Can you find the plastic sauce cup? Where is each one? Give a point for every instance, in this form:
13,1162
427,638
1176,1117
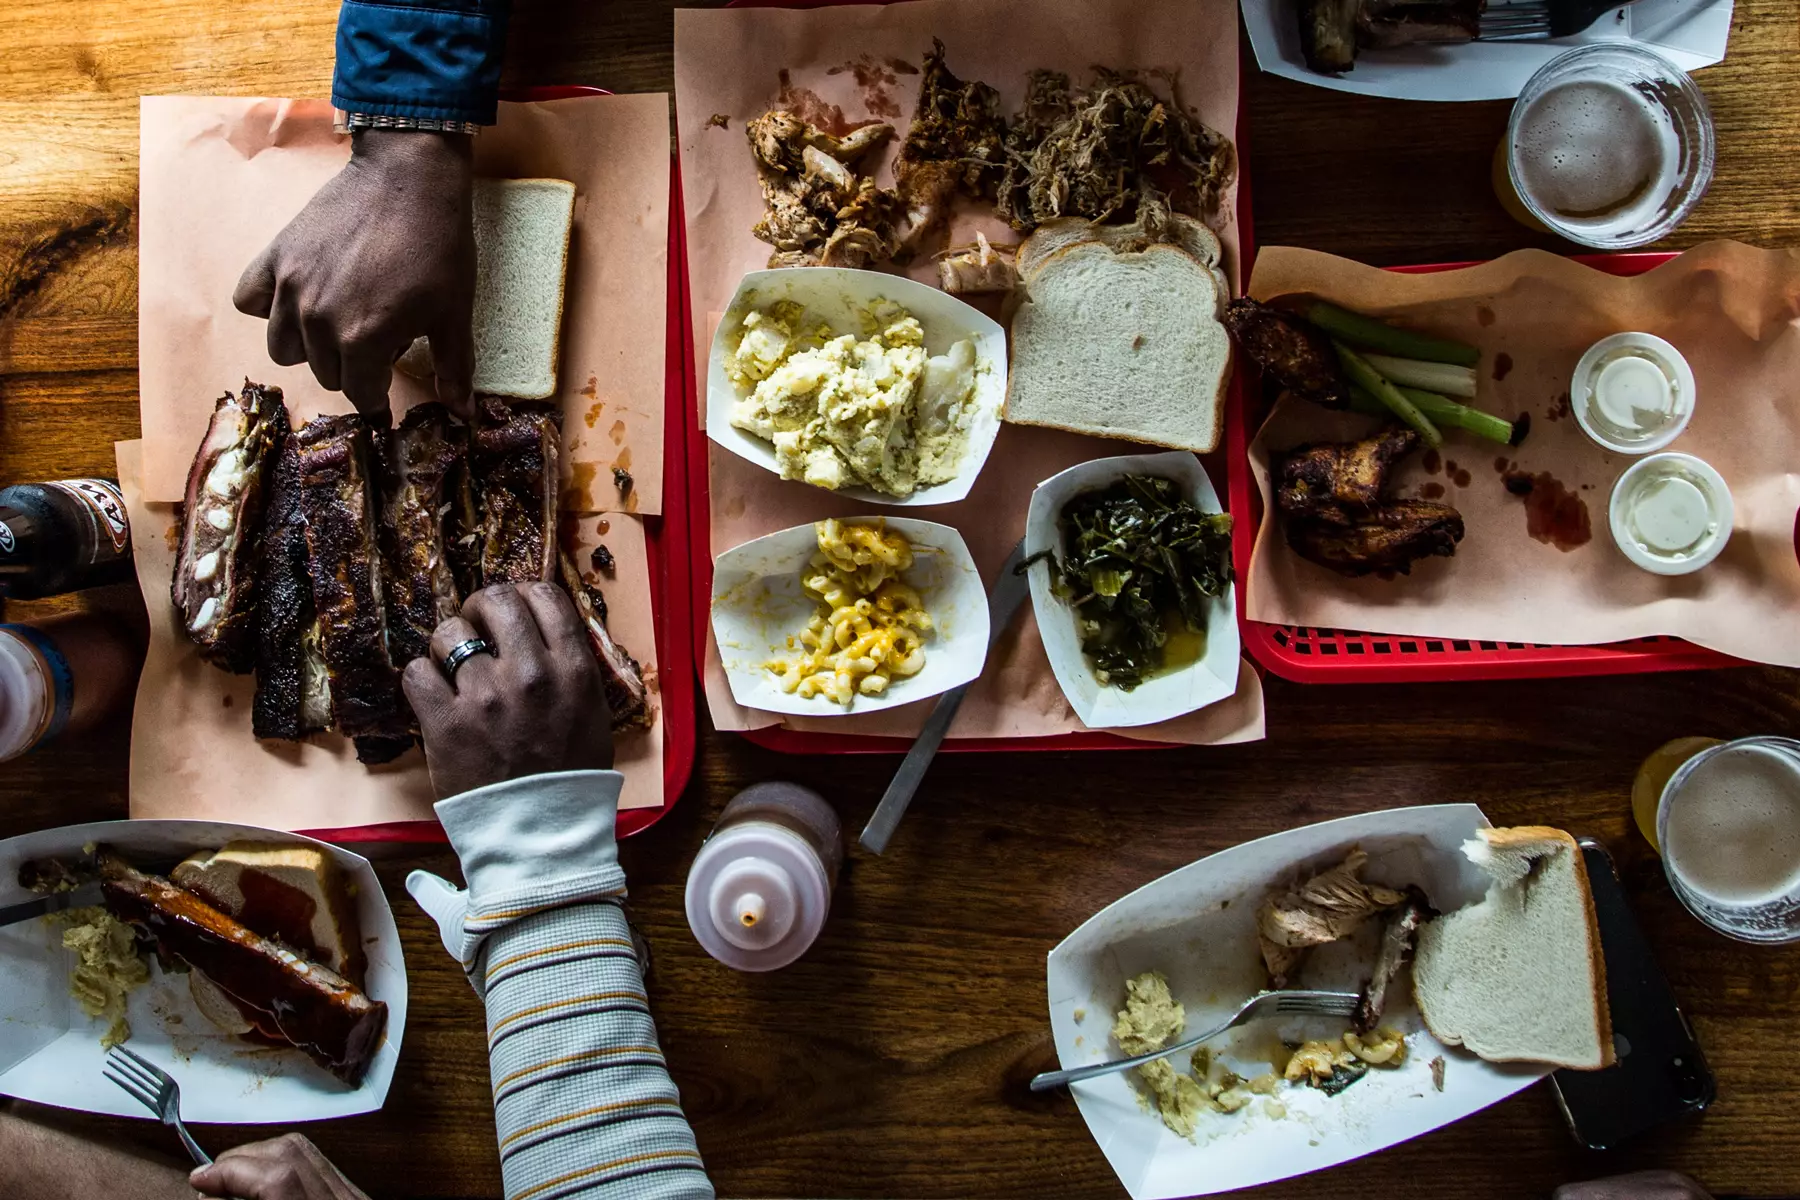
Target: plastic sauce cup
1633,393
1671,514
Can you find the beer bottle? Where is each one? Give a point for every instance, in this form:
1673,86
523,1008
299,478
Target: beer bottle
62,536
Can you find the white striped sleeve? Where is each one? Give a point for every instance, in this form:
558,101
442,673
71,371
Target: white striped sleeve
583,1103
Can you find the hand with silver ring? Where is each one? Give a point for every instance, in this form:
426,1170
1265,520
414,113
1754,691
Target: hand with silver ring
532,704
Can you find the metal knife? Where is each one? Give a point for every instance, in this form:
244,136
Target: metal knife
1009,591
81,897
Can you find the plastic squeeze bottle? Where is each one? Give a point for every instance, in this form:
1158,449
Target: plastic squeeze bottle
760,887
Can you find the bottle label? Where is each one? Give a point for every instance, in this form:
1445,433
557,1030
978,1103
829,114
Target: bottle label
7,543
105,506
62,681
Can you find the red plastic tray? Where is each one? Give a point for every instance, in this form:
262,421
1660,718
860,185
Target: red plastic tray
700,516
667,541
1308,655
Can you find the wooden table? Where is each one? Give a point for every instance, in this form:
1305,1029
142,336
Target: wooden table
893,1059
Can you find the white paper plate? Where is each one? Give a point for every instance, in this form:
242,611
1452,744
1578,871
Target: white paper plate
50,1050
1197,925
1689,33
757,604
839,296
1208,681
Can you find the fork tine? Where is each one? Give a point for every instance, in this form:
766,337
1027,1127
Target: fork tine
138,1074
131,1090
141,1061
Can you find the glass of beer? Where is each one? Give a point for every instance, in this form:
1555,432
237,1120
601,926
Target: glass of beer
1729,827
1609,145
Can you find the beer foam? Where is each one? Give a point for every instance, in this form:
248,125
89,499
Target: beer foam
1597,155
1733,831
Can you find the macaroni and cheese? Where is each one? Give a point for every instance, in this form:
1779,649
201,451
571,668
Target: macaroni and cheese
870,626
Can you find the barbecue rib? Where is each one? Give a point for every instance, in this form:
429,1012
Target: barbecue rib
1340,482
280,993
627,698
293,694
214,584
515,464
424,458
337,495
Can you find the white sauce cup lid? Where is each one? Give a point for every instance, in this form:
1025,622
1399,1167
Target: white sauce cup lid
1633,393
1681,525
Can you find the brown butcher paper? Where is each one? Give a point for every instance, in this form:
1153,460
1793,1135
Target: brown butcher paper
1542,567
221,176
192,752
846,66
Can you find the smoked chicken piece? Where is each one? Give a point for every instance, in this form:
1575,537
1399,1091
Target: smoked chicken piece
515,461
1328,33
627,698
424,458
293,690
1288,350
1340,482
280,993
214,584
1329,906
337,495
1389,538
819,208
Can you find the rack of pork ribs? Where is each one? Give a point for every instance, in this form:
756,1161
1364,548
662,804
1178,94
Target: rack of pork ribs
322,558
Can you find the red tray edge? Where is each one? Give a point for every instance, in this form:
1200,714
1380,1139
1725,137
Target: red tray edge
668,539
1547,662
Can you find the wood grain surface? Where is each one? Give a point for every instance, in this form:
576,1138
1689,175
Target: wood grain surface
893,1059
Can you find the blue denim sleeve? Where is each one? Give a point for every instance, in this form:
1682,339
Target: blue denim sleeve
420,58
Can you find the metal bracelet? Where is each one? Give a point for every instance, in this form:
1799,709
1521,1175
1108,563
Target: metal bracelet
350,122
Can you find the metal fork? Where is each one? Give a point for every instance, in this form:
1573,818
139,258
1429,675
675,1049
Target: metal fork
156,1090
1269,1004
1542,18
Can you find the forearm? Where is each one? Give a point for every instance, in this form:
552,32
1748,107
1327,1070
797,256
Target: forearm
582,1099
421,58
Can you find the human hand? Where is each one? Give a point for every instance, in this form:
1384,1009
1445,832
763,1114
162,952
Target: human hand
536,705
288,1168
1639,1185
381,255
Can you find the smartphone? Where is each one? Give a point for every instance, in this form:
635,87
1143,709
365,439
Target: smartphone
1660,1073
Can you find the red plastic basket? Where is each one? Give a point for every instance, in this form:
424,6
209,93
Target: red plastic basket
668,546
1308,655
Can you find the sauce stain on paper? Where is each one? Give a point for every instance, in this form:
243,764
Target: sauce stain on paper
1503,365
592,390
616,433
1434,462
1484,316
581,480
810,107
1431,491
1554,515
1562,406
873,79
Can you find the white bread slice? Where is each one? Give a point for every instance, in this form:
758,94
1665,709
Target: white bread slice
1519,976
1121,345
522,231
294,894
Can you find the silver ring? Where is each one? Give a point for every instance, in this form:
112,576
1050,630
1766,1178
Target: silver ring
461,653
